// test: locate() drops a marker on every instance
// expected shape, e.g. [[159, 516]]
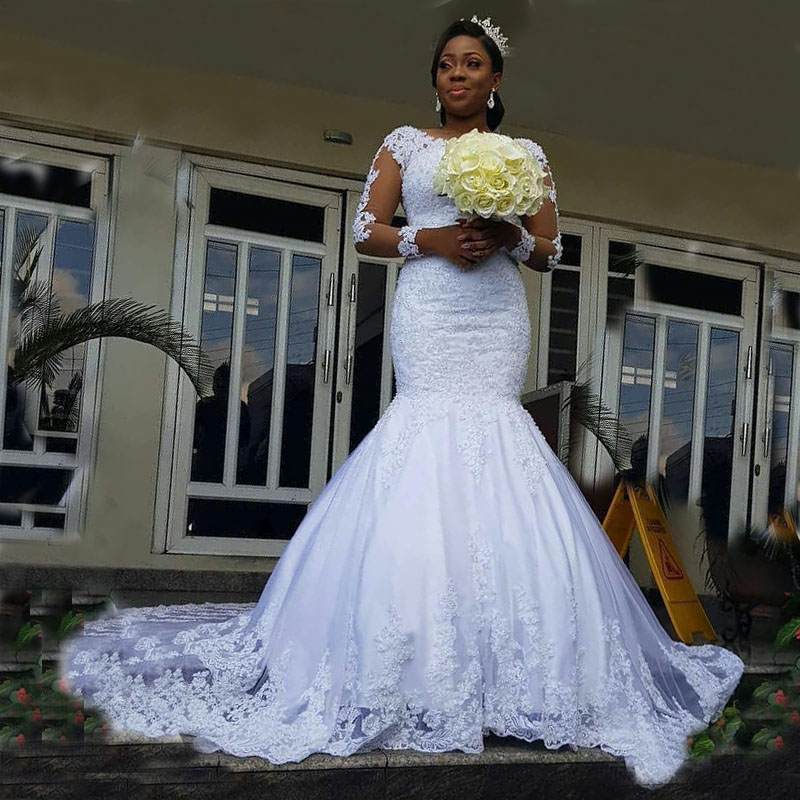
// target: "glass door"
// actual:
[[776, 483], [679, 372], [365, 383], [261, 297]]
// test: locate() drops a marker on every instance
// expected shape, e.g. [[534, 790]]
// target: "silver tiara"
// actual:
[[494, 32]]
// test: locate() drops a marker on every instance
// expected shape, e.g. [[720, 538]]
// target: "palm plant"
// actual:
[[586, 408], [44, 333]]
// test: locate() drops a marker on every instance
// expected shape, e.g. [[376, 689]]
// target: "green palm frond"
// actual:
[[29, 299], [625, 263], [39, 354], [38, 307], [589, 410], [586, 408]]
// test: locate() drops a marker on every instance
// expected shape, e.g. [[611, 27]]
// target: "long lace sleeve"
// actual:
[[545, 222], [373, 233]]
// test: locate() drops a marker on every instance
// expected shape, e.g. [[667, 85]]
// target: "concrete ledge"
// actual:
[[103, 579]]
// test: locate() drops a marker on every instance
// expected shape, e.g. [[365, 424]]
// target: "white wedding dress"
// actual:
[[449, 581]]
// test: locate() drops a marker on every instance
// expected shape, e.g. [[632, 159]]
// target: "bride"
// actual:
[[450, 580]]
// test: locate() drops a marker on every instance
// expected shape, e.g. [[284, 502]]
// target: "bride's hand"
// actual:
[[444, 242], [482, 237]]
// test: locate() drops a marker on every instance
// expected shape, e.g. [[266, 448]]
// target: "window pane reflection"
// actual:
[[71, 283], [258, 364], [781, 357], [300, 369], [368, 355], [211, 412], [680, 369], [17, 431], [635, 384], [563, 347], [720, 439]]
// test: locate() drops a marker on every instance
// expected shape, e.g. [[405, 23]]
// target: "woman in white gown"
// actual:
[[450, 580]]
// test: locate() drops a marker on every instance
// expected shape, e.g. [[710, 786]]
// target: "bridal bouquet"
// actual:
[[490, 175]]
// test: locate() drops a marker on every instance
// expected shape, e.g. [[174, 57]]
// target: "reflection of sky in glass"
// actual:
[[258, 355], [781, 355], [636, 374], [679, 380], [218, 295], [72, 263], [303, 309], [722, 373], [28, 225], [71, 284]]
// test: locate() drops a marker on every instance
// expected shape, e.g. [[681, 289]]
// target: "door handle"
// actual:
[[348, 362], [766, 436], [326, 359], [743, 437]]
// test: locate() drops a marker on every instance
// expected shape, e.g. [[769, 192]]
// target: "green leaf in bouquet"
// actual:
[[52, 734], [731, 729], [8, 734], [764, 689], [27, 634], [702, 746], [787, 633], [7, 686], [69, 622], [760, 738]]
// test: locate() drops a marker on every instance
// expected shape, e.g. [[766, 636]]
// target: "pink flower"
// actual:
[[795, 717], [23, 696], [37, 715], [780, 698], [79, 717], [778, 742], [62, 684], [21, 739]]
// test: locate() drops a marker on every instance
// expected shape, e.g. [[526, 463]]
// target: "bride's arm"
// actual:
[[373, 232], [537, 244]]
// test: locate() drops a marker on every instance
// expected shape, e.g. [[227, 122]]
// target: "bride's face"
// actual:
[[465, 64]]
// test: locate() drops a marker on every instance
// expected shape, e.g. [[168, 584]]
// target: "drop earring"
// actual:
[[438, 103], [490, 101]]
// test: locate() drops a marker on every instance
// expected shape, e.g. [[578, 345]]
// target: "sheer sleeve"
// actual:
[[544, 222], [373, 232]]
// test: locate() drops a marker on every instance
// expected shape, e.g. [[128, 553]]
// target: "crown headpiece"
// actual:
[[493, 31]]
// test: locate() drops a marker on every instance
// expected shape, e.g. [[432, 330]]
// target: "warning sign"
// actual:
[[669, 567], [636, 507]]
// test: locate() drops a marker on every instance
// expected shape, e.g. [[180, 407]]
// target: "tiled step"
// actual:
[[508, 768]]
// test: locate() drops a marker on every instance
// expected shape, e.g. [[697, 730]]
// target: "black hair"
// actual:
[[465, 27]]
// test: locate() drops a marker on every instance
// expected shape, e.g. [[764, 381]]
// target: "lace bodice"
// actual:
[[416, 153]]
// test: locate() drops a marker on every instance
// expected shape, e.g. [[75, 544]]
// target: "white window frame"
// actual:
[[788, 273], [72, 153], [685, 253], [175, 461]]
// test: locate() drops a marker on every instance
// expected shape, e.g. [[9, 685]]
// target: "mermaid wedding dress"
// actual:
[[449, 581]]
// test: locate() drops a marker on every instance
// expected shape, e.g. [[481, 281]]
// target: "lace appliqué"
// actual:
[[527, 243], [409, 413], [396, 142], [538, 153], [363, 218], [407, 246], [474, 633]]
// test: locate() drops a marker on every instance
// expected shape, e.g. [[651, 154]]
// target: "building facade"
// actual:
[[677, 299]]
